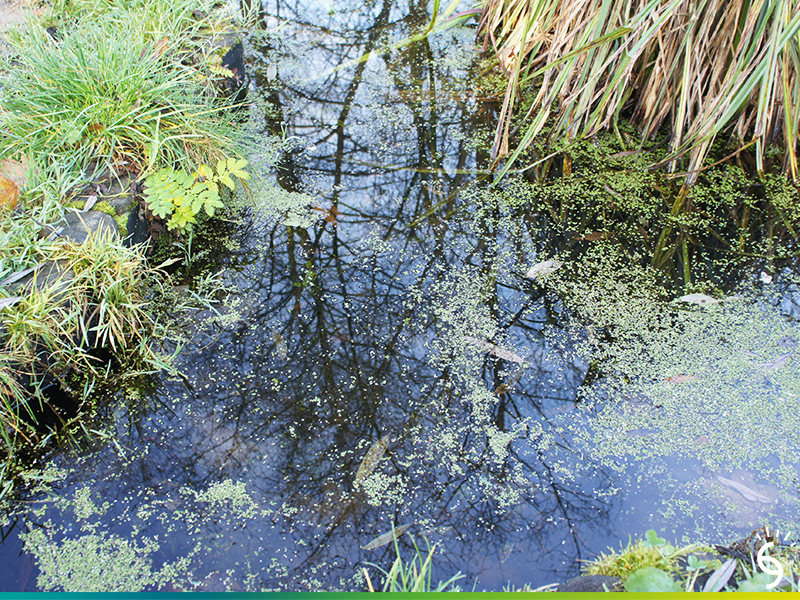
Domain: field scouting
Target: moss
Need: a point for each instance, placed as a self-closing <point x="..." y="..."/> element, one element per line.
<point x="640" y="555"/>
<point x="122" y="224"/>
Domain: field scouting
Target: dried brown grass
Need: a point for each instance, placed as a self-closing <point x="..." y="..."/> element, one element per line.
<point x="702" y="67"/>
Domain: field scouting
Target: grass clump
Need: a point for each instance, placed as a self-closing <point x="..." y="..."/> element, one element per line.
<point x="93" y="300"/>
<point x="415" y="575"/>
<point x="94" y="89"/>
<point x="103" y="93"/>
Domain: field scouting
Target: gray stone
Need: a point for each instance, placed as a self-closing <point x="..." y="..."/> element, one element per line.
<point x="591" y="583"/>
<point x="77" y="226"/>
<point x="118" y="195"/>
<point x="50" y="274"/>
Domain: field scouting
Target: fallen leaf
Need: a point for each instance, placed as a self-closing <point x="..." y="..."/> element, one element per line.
<point x="496" y="350"/>
<point x="699" y="299"/>
<point x="720" y="577"/>
<point x="9" y="194"/>
<point x="387" y="537"/>
<point x="593" y="236"/>
<point x="682" y="378"/>
<point x="161" y="46"/>
<point x="14" y="277"/>
<point x="14" y="170"/>
<point x="776" y="364"/>
<point x="371" y="460"/>
<point x="748" y="493"/>
<point x="90" y="202"/>
<point x="544" y="268"/>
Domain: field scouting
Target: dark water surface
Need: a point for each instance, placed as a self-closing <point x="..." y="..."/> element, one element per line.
<point x="393" y="321"/>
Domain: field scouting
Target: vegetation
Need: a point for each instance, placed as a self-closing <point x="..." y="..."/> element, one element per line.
<point x="111" y="93"/>
<point x="653" y="565"/>
<point x="179" y="196"/>
<point x="702" y="68"/>
<point x="126" y="89"/>
<point x="415" y="575"/>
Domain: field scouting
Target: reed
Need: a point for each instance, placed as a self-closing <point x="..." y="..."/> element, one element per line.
<point x="702" y="68"/>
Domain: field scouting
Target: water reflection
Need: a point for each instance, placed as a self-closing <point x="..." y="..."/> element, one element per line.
<point x="371" y="323"/>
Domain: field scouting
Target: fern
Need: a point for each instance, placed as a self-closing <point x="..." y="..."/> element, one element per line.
<point x="178" y="197"/>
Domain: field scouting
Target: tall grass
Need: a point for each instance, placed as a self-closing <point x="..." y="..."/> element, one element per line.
<point x="701" y="67"/>
<point x="117" y="89"/>
<point x="50" y="332"/>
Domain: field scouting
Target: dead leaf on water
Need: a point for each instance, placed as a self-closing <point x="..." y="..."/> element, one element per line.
<point x="776" y="364"/>
<point x="387" y="537"/>
<point x="748" y="493"/>
<point x="682" y="378"/>
<point x="371" y="460"/>
<point x="496" y="350"/>
<point x="544" y="268"/>
<point x="505" y="553"/>
<point x="699" y="299"/>
<point x="594" y="236"/>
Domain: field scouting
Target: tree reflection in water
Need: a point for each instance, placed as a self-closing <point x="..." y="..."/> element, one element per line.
<point x="363" y="326"/>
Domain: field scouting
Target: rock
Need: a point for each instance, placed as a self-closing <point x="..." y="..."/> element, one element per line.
<point x="51" y="274"/>
<point x="118" y="195"/>
<point x="138" y="229"/>
<point x="77" y="226"/>
<point x="591" y="583"/>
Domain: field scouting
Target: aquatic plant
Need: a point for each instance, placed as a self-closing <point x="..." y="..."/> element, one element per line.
<point x="415" y="575"/>
<point x="653" y="565"/>
<point x="704" y="68"/>
<point x="651" y="552"/>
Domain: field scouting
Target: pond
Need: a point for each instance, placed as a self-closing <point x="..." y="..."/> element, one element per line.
<point x="384" y="357"/>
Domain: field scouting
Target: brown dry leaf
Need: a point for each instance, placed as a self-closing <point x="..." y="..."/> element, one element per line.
<point x="14" y="170"/>
<point x="9" y="194"/>
<point x="496" y="350"/>
<point x="593" y="236"/>
<point x="371" y="460"/>
<point x="387" y="537"/>
<point x="748" y="493"/>
<point x="161" y="46"/>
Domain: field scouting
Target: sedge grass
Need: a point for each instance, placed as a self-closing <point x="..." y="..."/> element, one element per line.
<point x="703" y="67"/>
<point x="415" y="575"/>
<point x="105" y="93"/>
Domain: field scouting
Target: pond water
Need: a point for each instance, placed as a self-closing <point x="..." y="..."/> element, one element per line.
<point x="383" y="361"/>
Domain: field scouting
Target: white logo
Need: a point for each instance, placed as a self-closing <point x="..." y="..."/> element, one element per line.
<point x="777" y="571"/>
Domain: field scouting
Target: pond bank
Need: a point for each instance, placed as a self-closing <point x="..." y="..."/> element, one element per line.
<point x="81" y="130"/>
<point x="405" y="348"/>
